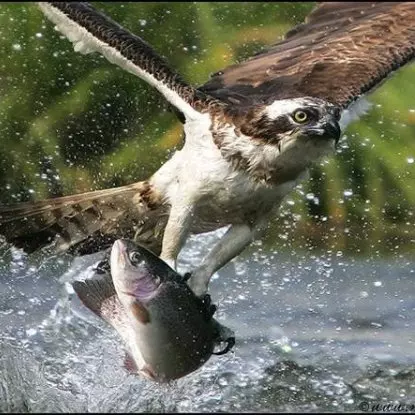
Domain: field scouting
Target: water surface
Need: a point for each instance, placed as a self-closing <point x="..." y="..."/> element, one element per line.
<point x="314" y="332"/>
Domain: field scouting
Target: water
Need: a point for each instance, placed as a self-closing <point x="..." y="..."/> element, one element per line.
<point x="314" y="333"/>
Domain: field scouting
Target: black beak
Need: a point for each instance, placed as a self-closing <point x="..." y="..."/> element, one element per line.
<point x="327" y="129"/>
<point x="332" y="130"/>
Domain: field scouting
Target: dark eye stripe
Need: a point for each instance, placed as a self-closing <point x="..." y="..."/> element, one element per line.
<point x="313" y="113"/>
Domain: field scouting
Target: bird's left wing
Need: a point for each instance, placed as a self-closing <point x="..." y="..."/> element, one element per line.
<point x="343" y="50"/>
<point x="92" y="31"/>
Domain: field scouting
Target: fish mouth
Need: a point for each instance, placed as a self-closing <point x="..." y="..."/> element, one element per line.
<point x="119" y="253"/>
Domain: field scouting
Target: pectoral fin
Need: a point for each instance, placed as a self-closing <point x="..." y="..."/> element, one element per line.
<point x="140" y="312"/>
<point x="95" y="292"/>
<point x="148" y="372"/>
<point x="129" y="364"/>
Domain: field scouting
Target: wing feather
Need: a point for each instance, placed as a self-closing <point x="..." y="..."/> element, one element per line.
<point x="343" y="50"/>
<point x="92" y="31"/>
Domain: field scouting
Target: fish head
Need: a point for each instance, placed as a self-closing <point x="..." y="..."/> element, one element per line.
<point x="136" y="272"/>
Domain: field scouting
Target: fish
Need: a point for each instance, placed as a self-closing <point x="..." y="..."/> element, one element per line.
<point x="168" y="331"/>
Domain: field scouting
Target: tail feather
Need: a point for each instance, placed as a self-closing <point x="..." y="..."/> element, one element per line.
<point x="72" y="221"/>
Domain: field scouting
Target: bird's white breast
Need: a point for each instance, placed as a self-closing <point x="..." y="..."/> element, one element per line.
<point x="221" y="194"/>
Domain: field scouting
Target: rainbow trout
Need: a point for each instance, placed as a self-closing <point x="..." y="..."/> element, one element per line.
<point x="169" y="332"/>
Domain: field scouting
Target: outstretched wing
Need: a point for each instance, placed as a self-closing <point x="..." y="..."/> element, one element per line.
<point x="92" y="31"/>
<point x="343" y="50"/>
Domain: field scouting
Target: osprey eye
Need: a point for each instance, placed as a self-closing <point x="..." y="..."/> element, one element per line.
<point x="134" y="256"/>
<point x="300" y="116"/>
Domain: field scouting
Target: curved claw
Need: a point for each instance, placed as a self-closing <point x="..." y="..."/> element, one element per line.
<point x="224" y="334"/>
<point x="187" y="276"/>
<point x="230" y="342"/>
<point x="212" y="310"/>
<point x="209" y="308"/>
<point x="207" y="300"/>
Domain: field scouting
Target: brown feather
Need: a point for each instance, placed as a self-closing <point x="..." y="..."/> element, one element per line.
<point x="88" y="221"/>
<point x="343" y="50"/>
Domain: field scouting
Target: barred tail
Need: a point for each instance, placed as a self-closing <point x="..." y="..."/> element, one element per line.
<point x="83" y="223"/>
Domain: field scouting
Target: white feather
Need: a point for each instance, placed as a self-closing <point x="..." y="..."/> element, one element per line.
<point x="283" y="106"/>
<point x="354" y="112"/>
<point x="84" y="42"/>
<point x="222" y="194"/>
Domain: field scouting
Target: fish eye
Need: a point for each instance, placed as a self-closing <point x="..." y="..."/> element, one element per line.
<point x="300" y="116"/>
<point x="134" y="256"/>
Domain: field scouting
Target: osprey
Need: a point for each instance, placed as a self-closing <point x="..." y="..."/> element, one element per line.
<point x="251" y="132"/>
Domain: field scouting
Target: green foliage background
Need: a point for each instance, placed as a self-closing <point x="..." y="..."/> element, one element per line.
<point x="71" y="123"/>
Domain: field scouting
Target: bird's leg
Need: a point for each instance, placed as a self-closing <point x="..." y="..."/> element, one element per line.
<point x="235" y="240"/>
<point x="176" y="232"/>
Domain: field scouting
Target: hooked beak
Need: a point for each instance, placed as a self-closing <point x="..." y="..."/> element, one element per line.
<point x="330" y="128"/>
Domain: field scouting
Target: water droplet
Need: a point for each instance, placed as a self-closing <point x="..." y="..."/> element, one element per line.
<point x="410" y="160"/>
<point x="31" y="332"/>
<point x="17" y="47"/>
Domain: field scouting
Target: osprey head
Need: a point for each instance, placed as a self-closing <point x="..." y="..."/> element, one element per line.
<point x="277" y="142"/>
<point x="285" y="121"/>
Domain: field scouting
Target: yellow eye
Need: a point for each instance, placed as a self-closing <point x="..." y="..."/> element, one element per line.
<point x="300" y="116"/>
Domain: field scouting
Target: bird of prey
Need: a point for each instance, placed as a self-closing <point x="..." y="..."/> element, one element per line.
<point x="251" y="132"/>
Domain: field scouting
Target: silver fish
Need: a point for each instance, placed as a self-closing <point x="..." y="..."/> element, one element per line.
<point x="169" y="331"/>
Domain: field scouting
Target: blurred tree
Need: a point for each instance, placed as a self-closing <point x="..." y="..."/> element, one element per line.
<point x="71" y="123"/>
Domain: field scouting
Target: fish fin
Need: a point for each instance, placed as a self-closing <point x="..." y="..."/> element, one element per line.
<point x="129" y="364"/>
<point x="140" y="312"/>
<point x="148" y="372"/>
<point x="95" y="292"/>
